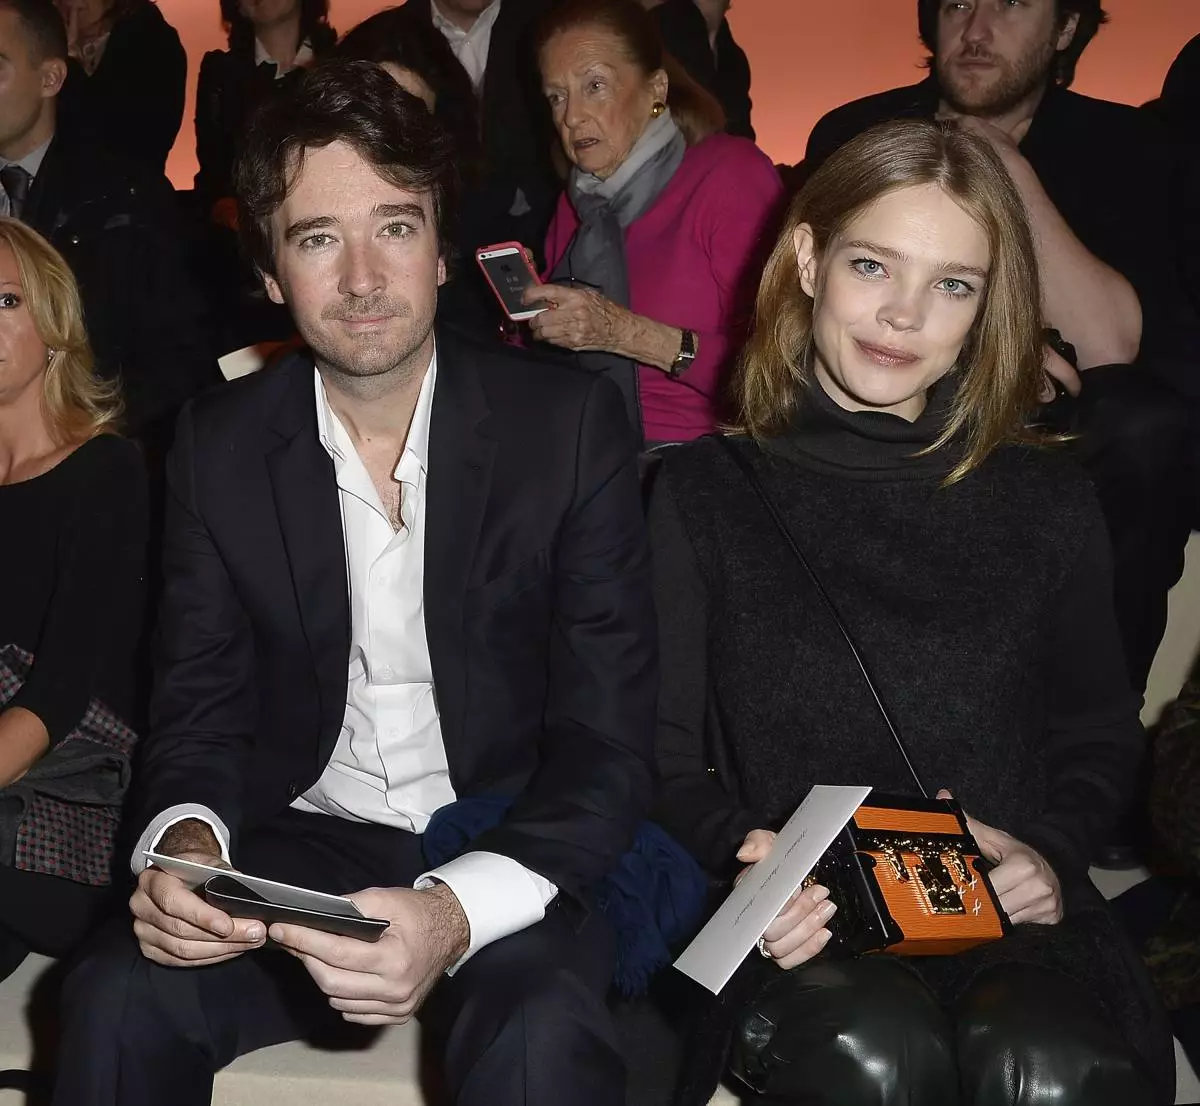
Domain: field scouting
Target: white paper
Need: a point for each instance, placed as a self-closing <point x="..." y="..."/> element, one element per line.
<point x="282" y="894"/>
<point x="713" y="957"/>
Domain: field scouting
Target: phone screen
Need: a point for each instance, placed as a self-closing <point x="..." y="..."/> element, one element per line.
<point x="510" y="276"/>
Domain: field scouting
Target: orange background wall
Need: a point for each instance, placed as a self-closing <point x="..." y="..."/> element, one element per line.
<point x="810" y="55"/>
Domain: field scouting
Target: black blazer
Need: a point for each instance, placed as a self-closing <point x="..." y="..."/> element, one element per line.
<point x="538" y="607"/>
<point x="117" y="226"/>
<point x="132" y="104"/>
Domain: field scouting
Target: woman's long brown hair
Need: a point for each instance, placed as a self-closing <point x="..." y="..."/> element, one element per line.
<point x="1000" y="364"/>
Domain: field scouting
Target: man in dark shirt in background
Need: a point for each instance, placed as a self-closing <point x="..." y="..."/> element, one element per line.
<point x="1096" y="178"/>
<point x="696" y="33"/>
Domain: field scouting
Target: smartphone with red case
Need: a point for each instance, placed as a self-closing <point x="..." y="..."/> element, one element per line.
<point x="509" y="271"/>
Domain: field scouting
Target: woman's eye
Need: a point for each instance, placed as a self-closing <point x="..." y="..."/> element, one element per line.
<point x="315" y="241"/>
<point x="397" y="230"/>
<point x="867" y="266"/>
<point x="9" y="299"/>
<point x="952" y="286"/>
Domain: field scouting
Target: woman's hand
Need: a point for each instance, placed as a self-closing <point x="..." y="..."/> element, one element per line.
<point x="798" y="932"/>
<point x="583" y="319"/>
<point x="1027" y="887"/>
<point x="576" y="318"/>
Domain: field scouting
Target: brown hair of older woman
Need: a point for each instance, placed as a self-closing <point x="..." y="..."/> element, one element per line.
<point x="1001" y="361"/>
<point x="78" y="405"/>
<point x="697" y="113"/>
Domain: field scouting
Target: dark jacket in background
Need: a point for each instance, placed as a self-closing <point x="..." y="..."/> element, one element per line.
<point x="1116" y="176"/>
<point x="116" y="225"/>
<point x="519" y="187"/>
<point x="229" y="88"/>
<point x="132" y="105"/>
<point x="725" y="73"/>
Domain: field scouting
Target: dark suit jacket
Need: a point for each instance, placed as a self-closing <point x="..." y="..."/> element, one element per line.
<point x="1114" y="174"/>
<point x="116" y="225"/>
<point x="132" y="104"/>
<point x="538" y="607"/>
<point x="517" y="134"/>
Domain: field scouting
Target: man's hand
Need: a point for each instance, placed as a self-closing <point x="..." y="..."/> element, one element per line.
<point x="384" y="983"/>
<point x="798" y="931"/>
<point x="1057" y="367"/>
<point x="1027" y="887"/>
<point x="175" y="926"/>
<point x="576" y="318"/>
<point x="1006" y="143"/>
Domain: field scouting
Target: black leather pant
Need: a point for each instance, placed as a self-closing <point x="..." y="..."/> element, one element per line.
<point x="868" y="1032"/>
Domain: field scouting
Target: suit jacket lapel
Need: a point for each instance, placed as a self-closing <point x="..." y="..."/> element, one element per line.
<point x="306" y="502"/>
<point x="460" y="471"/>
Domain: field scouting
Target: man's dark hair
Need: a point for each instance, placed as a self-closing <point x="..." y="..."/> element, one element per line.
<point x="354" y="102"/>
<point x="43" y="24"/>
<point x="314" y="27"/>
<point x="1091" y="17"/>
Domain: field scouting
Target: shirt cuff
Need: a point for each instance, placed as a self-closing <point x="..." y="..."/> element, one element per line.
<point x="153" y="833"/>
<point x="498" y="895"/>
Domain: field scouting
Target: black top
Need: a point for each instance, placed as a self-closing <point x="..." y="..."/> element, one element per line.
<point x="132" y="105"/>
<point x="723" y="71"/>
<point x="984" y="612"/>
<point x="1116" y="176"/>
<point x="230" y="86"/>
<point x="72" y="566"/>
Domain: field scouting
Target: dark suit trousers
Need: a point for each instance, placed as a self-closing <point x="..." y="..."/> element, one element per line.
<point x="523" y="1021"/>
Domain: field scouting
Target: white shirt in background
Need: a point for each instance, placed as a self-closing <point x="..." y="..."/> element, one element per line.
<point x="470" y="47"/>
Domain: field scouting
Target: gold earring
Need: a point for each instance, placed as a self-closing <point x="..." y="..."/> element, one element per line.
<point x="658" y="109"/>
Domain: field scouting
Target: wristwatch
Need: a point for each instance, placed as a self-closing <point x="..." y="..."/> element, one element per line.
<point x="686" y="354"/>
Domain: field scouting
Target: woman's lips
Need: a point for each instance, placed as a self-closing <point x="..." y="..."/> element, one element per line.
<point x="886" y="355"/>
<point x="585" y="143"/>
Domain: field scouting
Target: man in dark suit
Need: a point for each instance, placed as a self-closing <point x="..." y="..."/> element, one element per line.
<point x="494" y="41"/>
<point x="113" y="221"/>
<point x="403" y="577"/>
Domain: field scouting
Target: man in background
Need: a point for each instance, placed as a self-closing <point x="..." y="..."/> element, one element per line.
<point x="493" y="41"/>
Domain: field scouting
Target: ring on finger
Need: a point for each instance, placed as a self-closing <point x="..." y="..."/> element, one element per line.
<point x="761" y="945"/>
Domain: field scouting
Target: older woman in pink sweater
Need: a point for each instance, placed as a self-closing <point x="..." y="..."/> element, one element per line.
<point x="656" y="248"/>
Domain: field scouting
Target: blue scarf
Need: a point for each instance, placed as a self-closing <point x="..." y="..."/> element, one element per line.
<point x="653" y="899"/>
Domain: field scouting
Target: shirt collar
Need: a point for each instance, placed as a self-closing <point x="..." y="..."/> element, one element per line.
<point x="32" y="161"/>
<point x="483" y="23"/>
<point x="304" y="56"/>
<point x="336" y="440"/>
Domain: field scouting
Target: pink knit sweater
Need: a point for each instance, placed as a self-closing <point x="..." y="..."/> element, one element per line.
<point x="695" y="259"/>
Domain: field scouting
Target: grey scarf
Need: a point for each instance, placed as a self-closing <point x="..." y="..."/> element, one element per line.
<point x="596" y="254"/>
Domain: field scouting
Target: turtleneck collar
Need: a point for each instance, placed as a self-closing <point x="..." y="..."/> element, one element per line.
<point x="868" y="445"/>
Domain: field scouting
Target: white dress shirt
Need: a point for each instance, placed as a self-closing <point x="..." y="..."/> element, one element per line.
<point x="389" y="764"/>
<point x="304" y="56"/>
<point x="470" y="47"/>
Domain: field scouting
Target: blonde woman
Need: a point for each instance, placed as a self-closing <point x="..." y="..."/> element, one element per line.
<point x="73" y="531"/>
<point x="895" y="355"/>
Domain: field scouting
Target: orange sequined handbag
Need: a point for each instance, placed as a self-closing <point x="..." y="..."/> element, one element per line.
<point x="906" y="873"/>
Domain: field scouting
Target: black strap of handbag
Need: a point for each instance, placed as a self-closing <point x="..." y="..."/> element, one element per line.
<point x="742" y="462"/>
